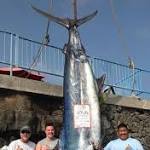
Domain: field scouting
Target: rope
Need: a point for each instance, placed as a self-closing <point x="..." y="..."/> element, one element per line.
<point x="45" y="42"/>
<point x="119" y="28"/>
<point x="131" y="64"/>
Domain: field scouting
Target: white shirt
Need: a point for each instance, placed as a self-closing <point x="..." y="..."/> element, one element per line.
<point x="19" y="144"/>
<point x="129" y="144"/>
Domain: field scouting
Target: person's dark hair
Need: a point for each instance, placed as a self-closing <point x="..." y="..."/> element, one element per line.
<point x="122" y="125"/>
<point x="49" y="124"/>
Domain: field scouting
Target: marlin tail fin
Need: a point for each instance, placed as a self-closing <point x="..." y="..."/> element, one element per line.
<point x="66" y="22"/>
<point x="86" y="18"/>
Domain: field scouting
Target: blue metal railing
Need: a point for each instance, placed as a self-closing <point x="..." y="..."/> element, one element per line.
<point x="49" y="61"/>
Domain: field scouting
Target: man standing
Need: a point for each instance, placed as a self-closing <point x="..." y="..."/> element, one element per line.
<point x="124" y="142"/>
<point x="50" y="142"/>
<point x="23" y="143"/>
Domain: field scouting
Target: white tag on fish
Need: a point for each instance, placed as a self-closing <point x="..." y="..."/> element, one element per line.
<point x="82" y="116"/>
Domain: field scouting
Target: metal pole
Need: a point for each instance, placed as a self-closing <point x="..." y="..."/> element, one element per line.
<point x="11" y="54"/>
<point x="75" y="9"/>
<point x="133" y="82"/>
<point x="4" y="47"/>
<point x="132" y="66"/>
<point x="16" y="50"/>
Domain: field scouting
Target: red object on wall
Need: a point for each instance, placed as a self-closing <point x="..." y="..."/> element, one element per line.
<point x="19" y="72"/>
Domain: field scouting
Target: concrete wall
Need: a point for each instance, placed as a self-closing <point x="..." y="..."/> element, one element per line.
<point x="31" y="86"/>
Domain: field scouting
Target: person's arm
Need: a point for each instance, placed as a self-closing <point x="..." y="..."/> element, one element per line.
<point x="57" y="145"/>
<point x="12" y="146"/>
<point x="139" y="145"/>
<point x="108" y="146"/>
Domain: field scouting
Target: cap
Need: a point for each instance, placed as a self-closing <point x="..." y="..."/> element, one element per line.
<point x="25" y="128"/>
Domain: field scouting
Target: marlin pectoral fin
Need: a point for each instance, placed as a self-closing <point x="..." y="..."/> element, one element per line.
<point x="85" y="19"/>
<point x="64" y="22"/>
<point x="100" y="83"/>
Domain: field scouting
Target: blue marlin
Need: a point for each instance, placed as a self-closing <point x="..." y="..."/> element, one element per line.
<point x="80" y="89"/>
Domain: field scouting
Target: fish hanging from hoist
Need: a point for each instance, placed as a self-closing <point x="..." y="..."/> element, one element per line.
<point x="81" y="119"/>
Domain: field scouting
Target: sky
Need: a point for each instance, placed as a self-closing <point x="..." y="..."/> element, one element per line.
<point x="121" y="29"/>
